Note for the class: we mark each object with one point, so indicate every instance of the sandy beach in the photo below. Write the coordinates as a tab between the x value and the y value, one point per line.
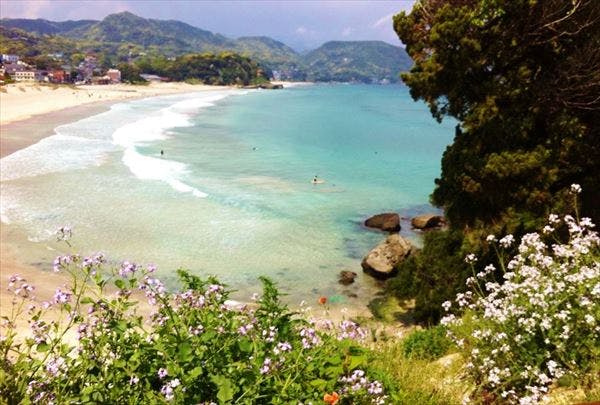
30	112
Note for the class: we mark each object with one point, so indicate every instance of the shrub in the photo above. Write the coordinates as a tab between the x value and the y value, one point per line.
428	344
432	276
543	323
195	347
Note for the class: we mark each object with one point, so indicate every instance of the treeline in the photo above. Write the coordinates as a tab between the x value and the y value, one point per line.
226	68
523	80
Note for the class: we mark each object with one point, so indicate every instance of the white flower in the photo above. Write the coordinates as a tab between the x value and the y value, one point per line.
506	241
470	258
575	188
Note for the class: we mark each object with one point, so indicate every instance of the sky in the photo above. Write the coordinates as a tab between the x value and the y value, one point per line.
301	24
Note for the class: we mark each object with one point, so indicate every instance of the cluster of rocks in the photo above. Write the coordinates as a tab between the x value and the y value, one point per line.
383	260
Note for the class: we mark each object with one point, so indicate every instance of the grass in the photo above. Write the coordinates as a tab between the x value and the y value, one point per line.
422	381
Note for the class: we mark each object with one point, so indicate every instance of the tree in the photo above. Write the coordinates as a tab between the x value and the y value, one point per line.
523	79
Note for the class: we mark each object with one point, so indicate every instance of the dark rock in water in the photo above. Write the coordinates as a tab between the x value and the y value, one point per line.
267	86
347	277
382	261
388	222
428	221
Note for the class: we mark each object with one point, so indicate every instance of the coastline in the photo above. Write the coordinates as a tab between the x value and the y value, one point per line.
31	112
20	133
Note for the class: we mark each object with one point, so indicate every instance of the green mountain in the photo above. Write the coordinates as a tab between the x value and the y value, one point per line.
123	37
357	61
45	27
272	54
174	35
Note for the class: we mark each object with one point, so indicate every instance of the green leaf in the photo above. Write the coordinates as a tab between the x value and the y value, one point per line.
184	352
119	283
357	361
86	300
225	386
195	373
245	345
42	347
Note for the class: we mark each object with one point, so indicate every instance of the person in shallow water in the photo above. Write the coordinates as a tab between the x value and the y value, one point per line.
162	152
315	181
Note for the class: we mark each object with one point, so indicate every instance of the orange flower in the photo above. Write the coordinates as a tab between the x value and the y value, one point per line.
323	300
332	398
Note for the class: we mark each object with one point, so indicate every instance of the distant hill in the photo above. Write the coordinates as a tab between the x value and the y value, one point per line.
45	27
124	35
357	61
273	54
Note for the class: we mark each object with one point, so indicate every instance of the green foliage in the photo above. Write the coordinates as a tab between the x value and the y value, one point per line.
195	347
433	275
525	94
130	73
428	344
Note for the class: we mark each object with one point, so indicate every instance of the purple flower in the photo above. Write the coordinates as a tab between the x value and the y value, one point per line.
162	373
62	297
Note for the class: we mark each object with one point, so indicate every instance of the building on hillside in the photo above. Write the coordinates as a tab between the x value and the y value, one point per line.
25	76
8	58
115	75
58	76
11	68
56	55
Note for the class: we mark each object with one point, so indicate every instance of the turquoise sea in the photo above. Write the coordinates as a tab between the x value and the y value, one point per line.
232	194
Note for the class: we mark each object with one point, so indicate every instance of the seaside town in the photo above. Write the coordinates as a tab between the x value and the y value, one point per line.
14	69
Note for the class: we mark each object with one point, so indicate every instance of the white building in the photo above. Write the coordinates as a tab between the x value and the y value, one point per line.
24	76
7	58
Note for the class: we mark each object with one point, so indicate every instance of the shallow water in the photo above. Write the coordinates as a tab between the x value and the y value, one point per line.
232	194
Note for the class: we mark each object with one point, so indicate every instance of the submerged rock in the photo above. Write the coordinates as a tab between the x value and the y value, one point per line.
347	277
427	221
388	222
381	262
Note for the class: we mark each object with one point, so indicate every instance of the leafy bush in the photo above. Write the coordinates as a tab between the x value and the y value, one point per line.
432	276
543	323
195	347
430	344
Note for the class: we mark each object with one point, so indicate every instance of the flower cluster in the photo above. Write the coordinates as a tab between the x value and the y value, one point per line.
541	322
358	385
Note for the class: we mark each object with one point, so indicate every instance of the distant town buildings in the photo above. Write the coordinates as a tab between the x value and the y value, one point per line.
114	75
86	72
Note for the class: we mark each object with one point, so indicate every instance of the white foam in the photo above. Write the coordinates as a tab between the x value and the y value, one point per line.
155	128
56	153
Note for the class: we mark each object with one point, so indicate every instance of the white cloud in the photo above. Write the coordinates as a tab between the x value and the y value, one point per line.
301	30
386	20
346	32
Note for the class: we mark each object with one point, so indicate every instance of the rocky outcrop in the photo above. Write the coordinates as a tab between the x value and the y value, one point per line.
382	261
347	277
267	86
427	221
388	222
